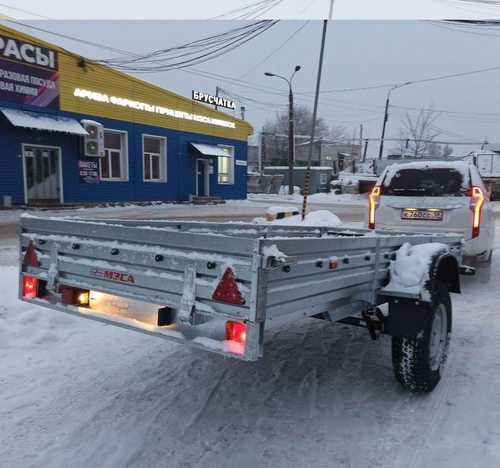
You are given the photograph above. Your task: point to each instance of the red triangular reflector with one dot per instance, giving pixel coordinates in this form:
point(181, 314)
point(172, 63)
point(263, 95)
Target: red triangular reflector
point(227, 289)
point(31, 256)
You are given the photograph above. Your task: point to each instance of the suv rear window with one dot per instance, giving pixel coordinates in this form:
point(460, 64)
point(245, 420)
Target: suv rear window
point(426, 182)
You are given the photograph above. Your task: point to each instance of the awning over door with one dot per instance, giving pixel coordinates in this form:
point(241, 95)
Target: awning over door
point(209, 150)
point(39, 121)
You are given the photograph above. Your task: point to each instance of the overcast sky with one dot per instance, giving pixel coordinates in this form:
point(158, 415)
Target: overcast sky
point(290, 9)
point(358, 54)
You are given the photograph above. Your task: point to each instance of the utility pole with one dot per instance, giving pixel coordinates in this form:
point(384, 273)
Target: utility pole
point(291, 142)
point(291, 126)
point(365, 150)
point(307, 178)
point(360, 139)
point(330, 13)
point(386, 115)
point(217, 90)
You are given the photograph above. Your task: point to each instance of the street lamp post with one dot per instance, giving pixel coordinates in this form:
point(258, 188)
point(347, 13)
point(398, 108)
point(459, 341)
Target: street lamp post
point(291, 126)
point(386, 115)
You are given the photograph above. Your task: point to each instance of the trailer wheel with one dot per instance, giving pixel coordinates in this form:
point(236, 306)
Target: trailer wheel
point(419, 363)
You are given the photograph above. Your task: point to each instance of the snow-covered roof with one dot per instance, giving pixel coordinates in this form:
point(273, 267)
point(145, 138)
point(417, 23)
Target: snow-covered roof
point(40, 121)
point(209, 150)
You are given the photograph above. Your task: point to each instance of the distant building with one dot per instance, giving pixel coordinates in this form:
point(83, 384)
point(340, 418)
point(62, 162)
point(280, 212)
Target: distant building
point(321, 176)
point(253, 158)
point(337, 156)
point(75, 131)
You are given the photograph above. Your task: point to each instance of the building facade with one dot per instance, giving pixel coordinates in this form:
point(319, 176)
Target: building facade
point(319, 180)
point(156, 145)
point(338, 156)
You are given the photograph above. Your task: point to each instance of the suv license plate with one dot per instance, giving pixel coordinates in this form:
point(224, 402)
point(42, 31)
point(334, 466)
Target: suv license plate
point(429, 215)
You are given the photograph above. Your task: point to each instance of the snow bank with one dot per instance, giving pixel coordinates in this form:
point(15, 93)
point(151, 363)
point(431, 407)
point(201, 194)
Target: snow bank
point(317, 198)
point(410, 270)
point(320, 218)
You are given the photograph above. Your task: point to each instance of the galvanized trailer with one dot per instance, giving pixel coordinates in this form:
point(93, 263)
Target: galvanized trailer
point(220, 287)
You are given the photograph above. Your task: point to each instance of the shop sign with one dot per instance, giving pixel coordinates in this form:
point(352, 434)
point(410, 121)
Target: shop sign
point(88, 171)
point(218, 101)
point(28, 73)
point(149, 107)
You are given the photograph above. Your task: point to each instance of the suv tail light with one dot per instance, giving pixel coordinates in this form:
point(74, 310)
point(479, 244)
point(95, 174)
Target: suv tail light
point(373, 204)
point(227, 289)
point(476, 205)
point(30, 287)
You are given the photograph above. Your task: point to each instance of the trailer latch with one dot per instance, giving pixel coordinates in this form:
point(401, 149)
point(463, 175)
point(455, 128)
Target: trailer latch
point(275, 263)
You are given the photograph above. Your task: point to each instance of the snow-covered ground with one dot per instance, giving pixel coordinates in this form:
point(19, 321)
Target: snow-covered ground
point(315, 199)
point(75, 393)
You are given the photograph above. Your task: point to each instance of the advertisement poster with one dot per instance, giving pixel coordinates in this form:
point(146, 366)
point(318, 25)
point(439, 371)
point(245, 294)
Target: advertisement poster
point(29, 74)
point(88, 171)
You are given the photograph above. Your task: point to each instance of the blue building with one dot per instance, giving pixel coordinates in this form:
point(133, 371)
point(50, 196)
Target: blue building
point(74, 131)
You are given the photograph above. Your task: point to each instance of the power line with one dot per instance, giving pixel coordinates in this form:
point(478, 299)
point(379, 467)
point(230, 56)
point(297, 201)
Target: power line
point(20, 10)
point(253, 9)
point(203, 50)
point(449, 26)
point(150, 57)
point(267, 57)
point(306, 8)
point(197, 52)
point(72, 38)
point(445, 111)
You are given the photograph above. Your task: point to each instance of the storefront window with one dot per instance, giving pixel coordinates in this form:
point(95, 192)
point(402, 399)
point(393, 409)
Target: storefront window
point(114, 163)
point(226, 166)
point(154, 159)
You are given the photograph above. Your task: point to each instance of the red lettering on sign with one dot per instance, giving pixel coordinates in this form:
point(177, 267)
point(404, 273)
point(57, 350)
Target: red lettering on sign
point(113, 276)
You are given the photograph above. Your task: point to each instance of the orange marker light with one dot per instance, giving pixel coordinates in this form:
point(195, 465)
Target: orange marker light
point(373, 202)
point(477, 203)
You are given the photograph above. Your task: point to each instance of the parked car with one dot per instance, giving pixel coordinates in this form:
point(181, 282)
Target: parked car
point(435, 196)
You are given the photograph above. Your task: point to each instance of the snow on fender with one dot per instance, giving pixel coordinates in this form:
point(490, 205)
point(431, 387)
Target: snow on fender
point(417, 267)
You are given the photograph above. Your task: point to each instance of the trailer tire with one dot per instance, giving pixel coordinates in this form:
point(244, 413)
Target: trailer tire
point(419, 363)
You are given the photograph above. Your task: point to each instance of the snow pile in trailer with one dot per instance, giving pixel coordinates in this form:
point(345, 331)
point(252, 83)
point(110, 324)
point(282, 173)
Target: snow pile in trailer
point(410, 270)
point(319, 218)
point(461, 166)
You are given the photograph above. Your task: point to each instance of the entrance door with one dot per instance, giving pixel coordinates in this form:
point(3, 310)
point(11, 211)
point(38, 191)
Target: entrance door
point(42, 174)
point(202, 180)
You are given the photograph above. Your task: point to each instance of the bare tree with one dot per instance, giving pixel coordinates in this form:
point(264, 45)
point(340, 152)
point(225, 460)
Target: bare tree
point(275, 142)
point(338, 134)
point(419, 131)
point(303, 124)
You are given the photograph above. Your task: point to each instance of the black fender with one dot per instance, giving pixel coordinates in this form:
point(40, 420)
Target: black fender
point(409, 317)
point(444, 269)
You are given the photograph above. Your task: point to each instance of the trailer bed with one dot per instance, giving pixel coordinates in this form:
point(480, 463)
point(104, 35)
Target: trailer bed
point(167, 278)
